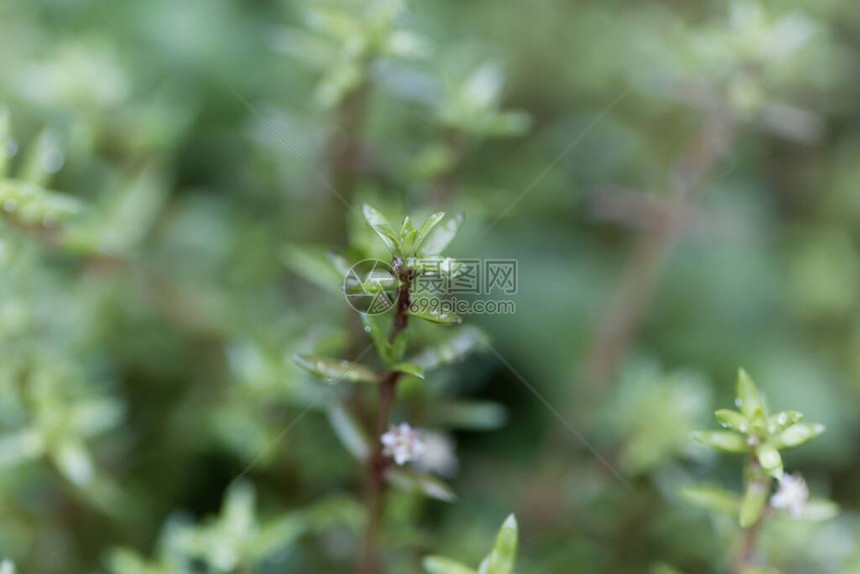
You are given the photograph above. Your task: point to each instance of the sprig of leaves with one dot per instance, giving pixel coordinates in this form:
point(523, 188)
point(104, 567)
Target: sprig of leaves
point(236, 539)
point(474, 106)
point(343, 39)
point(410, 247)
point(752, 431)
point(429, 240)
point(24, 197)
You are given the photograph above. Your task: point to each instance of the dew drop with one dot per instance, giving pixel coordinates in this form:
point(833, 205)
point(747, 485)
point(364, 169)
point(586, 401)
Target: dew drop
point(367, 328)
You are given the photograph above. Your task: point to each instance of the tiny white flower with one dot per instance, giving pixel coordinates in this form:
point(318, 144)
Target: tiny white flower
point(402, 443)
point(439, 456)
point(791, 495)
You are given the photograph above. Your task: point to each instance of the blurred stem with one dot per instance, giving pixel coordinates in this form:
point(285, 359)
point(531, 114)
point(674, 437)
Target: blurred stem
point(651, 253)
point(632, 297)
point(345, 145)
point(48, 236)
point(749, 540)
point(369, 562)
point(749, 543)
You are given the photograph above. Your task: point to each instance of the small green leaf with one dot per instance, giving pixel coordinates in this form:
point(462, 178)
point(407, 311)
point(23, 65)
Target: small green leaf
point(769, 458)
point(432, 220)
point(396, 348)
point(407, 44)
point(408, 235)
point(21, 446)
point(471, 415)
point(276, 535)
point(338, 263)
point(377, 281)
point(326, 270)
point(732, 420)
point(421, 483)
point(340, 80)
point(722, 440)
point(42, 159)
point(442, 565)
point(377, 326)
point(73, 461)
point(441, 235)
point(504, 553)
point(349, 432)
point(31, 204)
point(123, 561)
point(335, 510)
point(782, 420)
point(238, 508)
point(452, 349)
point(748, 398)
point(798, 434)
point(406, 227)
point(383, 229)
point(436, 268)
point(753, 503)
point(408, 241)
point(332, 369)
point(711, 498)
point(416, 371)
point(506, 124)
point(435, 315)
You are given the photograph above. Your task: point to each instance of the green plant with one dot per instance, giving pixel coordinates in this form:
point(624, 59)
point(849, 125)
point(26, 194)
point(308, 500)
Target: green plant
point(760, 436)
point(415, 253)
point(500, 560)
point(686, 197)
point(24, 196)
point(234, 541)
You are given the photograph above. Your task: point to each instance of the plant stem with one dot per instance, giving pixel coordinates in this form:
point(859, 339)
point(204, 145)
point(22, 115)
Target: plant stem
point(748, 545)
point(345, 147)
point(629, 303)
point(749, 541)
point(369, 562)
point(650, 255)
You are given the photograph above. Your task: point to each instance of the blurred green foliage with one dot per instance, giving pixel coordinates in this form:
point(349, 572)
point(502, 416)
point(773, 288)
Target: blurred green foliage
point(161, 253)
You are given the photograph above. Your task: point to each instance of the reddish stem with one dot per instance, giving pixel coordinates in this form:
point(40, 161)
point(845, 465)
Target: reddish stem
point(369, 562)
point(749, 541)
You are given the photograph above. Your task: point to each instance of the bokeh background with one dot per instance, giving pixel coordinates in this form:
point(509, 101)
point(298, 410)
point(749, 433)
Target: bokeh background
point(707, 219)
